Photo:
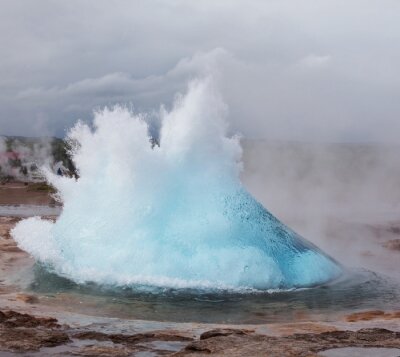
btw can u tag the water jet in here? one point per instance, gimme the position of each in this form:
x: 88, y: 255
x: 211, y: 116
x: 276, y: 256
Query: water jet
x: 168, y: 215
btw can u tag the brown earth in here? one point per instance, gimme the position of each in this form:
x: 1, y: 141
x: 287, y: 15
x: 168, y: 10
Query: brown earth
x: 6, y: 224
x: 373, y: 315
x: 17, y: 193
x: 302, y: 327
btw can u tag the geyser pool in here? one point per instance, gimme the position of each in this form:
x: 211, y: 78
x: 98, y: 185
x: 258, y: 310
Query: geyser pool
x: 167, y: 215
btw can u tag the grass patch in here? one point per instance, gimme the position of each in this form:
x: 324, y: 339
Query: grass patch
x: 41, y: 187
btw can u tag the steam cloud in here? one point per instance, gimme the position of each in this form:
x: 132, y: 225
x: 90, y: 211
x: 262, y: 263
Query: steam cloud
x: 22, y: 160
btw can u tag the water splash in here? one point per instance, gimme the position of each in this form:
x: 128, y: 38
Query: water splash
x: 173, y: 215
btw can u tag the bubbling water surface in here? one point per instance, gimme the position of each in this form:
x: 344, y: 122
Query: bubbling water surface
x: 168, y: 215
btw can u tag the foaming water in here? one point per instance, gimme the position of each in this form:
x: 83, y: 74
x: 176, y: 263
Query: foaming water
x: 168, y: 215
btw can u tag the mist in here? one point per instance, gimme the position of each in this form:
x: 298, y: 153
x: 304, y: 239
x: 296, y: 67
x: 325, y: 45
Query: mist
x: 22, y: 158
x: 343, y: 197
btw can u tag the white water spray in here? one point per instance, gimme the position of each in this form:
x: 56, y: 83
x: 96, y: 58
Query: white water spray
x: 173, y: 215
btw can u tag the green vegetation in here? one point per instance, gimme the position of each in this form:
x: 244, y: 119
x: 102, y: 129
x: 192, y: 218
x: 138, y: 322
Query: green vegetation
x: 42, y: 187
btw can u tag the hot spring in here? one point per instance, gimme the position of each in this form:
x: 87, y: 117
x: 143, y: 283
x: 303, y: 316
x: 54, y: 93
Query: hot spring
x: 167, y: 215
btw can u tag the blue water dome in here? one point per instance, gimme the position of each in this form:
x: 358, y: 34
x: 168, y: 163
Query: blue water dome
x: 282, y: 258
x: 173, y: 215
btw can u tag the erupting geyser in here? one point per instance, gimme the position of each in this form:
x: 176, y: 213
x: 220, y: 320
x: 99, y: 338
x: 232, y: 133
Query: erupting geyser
x: 173, y: 215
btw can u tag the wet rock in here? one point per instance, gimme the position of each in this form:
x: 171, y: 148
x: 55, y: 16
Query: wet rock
x: 147, y: 337
x: 15, y: 319
x: 103, y: 351
x: 29, y: 339
x: 24, y: 332
x: 132, y: 339
x: 91, y: 335
x: 223, y: 332
x: 195, y: 347
x: 306, y: 344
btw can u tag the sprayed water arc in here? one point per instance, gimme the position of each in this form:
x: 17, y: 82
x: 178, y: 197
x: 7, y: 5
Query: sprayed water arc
x: 174, y: 215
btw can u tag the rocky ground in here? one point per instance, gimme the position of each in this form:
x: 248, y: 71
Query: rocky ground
x: 32, y: 325
x: 25, y: 333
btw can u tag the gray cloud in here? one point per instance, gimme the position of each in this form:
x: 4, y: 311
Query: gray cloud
x: 309, y: 70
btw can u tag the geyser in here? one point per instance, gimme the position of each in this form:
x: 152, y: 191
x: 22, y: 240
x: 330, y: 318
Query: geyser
x: 167, y: 215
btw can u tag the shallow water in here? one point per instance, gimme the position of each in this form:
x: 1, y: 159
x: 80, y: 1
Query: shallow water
x: 29, y: 210
x: 356, y: 290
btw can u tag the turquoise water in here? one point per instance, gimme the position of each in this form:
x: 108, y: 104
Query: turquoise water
x: 355, y: 290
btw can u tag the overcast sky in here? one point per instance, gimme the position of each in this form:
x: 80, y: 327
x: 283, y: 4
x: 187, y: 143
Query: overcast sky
x: 299, y: 70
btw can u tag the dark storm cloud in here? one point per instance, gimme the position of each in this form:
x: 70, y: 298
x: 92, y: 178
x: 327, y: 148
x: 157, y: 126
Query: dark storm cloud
x: 303, y: 70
